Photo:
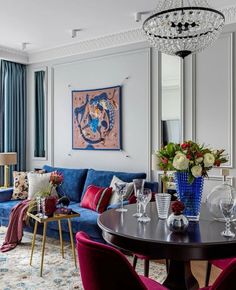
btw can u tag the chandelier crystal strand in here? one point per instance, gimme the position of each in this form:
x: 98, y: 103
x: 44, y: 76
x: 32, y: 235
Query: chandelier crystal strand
x: 182, y: 27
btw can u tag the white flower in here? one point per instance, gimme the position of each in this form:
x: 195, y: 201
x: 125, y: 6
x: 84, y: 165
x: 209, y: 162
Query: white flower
x: 199, y: 160
x: 196, y: 171
x: 180, y: 162
x: 209, y: 160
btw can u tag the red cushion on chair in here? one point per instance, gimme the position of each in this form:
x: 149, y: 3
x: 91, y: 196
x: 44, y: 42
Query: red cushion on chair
x: 96, y: 198
x: 152, y: 284
x: 222, y: 263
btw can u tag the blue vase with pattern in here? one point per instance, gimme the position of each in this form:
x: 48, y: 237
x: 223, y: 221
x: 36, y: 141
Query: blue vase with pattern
x: 189, y: 194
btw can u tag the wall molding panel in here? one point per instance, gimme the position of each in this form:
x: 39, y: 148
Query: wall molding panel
x: 213, y: 92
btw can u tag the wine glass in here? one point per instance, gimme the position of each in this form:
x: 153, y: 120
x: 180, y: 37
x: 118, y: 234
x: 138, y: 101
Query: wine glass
x: 138, y: 190
x: 121, y: 189
x: 145, y: 198
x: 227, y: 206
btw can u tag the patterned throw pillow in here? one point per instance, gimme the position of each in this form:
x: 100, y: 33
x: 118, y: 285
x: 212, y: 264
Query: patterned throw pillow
x: 115, y: 197
x: 20, y: 185
x: 96, y: 198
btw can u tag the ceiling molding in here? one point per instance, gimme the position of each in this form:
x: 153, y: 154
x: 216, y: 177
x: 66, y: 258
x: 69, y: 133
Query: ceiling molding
x: 100, y: 43
x: 230, y: 14
x: 13, y: 55
x: 105, y: 42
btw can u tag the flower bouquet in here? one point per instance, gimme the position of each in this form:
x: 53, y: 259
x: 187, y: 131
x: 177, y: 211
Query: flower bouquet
x: 189, y: 156
x: 191, y: 163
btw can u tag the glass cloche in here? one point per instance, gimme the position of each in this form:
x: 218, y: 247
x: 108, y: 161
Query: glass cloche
x: 213, y: 200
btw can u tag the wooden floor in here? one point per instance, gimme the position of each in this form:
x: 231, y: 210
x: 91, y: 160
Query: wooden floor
x: 199, y: 271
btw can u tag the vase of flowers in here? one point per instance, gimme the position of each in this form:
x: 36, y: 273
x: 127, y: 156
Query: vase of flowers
x: 191, y: 163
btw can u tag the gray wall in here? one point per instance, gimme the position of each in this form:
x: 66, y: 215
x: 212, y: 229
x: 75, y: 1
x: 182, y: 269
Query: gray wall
x: 208, y: 104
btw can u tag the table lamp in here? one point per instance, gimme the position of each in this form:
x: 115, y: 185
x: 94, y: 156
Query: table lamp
x: 6, y: 159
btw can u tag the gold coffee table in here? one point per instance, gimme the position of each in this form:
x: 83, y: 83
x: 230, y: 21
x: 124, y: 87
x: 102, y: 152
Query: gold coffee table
x: 45, y: 221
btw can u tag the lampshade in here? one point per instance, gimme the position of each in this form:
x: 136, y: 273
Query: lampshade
x: 8, y: 158
x: 182, y: 27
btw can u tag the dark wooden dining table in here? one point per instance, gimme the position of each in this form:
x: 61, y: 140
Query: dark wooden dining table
x: 201, y: 241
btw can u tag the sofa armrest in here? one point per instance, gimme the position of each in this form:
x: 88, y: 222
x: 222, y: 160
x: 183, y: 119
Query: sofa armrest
x: 5, y: 194
x: 117, y: 205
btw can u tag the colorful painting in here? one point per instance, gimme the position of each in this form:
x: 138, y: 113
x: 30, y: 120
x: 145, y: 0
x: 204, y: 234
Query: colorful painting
x: 97, y: 119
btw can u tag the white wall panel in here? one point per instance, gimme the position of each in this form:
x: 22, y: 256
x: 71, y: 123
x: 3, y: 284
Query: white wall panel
x: 98, y: 73
x: 214, y: 99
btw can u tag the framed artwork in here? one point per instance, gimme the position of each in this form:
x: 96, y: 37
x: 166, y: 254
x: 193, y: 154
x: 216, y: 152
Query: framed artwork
x: 97, y: 119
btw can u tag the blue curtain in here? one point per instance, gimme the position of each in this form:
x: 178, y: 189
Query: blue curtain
x: 39, y: 148
x: 13, y: 112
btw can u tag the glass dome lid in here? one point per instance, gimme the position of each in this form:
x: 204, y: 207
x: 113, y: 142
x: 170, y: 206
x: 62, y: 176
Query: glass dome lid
x: 182, y: 27
x: 213, y: 200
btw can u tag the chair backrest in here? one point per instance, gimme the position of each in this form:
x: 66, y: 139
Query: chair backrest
x: 104, y: 268
x: 227, y: 278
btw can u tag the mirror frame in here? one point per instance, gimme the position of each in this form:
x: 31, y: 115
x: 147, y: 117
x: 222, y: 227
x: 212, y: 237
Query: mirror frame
x: 45, y: 69
x: 182, y: 97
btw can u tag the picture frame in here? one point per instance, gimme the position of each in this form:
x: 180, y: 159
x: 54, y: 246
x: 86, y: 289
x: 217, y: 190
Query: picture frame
x: 96, y: 119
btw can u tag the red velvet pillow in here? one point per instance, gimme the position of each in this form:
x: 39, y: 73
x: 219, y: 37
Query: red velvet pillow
x: 96, y: 198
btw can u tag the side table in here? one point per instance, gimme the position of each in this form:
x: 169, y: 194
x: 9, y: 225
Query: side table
x: 45, y: 221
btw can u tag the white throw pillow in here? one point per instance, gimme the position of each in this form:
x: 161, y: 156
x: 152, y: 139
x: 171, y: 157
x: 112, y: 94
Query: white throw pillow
x: 115, y: 197
x: 37, y: 182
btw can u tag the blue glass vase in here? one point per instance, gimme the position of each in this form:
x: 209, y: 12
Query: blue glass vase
x: 189, y: 194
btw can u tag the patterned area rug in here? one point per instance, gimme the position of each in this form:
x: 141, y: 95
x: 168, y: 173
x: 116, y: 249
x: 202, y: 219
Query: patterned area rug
x: 58, y: 273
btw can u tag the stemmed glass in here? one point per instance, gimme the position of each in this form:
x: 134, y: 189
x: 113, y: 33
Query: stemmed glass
x: 121, y: 189
x: 227, y: 206
x: 138, y: 190
x: 145, y: 198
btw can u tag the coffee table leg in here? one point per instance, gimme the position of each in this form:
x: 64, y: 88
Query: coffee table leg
x: 61, y: 240
x: 43, y: 247
x: 180, y: 276
x: 72, y: 241
x: 33, y: 241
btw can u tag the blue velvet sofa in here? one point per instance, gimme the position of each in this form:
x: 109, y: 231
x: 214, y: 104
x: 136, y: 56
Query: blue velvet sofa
x: 74, y: 185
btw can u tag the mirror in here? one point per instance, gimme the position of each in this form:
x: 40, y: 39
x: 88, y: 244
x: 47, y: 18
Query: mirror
x: 40, y: 113
x: 171, y: 92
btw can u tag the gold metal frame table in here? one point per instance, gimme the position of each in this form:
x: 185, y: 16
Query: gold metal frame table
x: 45, y: 221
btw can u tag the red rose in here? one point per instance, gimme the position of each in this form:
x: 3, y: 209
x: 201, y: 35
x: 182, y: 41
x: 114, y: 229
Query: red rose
x: 177, y: 207
x: 199, y: 154
x: 185, y: 146
x: 189, y: 156
x: 217, y: 163
x: 164, y: 160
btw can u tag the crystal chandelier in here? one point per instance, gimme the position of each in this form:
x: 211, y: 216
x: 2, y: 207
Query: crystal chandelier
x: 182, y: 27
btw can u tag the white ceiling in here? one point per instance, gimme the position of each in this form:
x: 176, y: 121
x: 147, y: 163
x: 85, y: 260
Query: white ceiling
x: 48, y: 23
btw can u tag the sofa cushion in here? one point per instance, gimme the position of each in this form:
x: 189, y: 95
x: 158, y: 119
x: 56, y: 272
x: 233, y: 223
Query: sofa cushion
x: 37, y: 183
x: 104, y: 178
x: 87, y: 222
x: 6, y: 207
x: 96, y: 198
x: 115, y: 196
x: 6, y: 194
x: 20, y: 185
x: 73, y: 182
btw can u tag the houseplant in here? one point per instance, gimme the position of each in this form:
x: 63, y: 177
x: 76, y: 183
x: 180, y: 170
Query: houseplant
x: 49, y: 194
x: 191, y: 163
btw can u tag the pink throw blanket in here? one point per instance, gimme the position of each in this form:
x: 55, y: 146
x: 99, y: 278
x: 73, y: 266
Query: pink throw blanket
x: 15, y: 228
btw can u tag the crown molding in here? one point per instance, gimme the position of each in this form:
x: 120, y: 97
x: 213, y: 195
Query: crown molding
x: 105, y: 42
x: 230, y: 14
x: 13, y: 55
x: 92, y: 45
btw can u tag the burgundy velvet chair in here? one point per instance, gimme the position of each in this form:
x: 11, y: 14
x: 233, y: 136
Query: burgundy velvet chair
x: 103, y: 267
x: 222, y: 264
x: 226, y: 279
